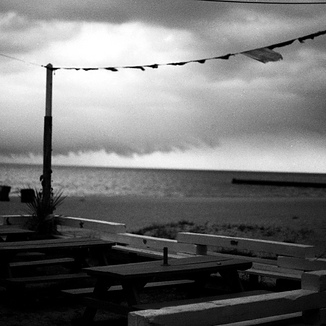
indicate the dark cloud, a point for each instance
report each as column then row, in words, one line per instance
column 172, row 110
column 176, row 13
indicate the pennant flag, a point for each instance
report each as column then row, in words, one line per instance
column 263, row 55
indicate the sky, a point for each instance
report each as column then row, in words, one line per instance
column 235, row 114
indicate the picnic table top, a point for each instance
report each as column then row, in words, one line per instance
column 181, row 266
column 53, row 244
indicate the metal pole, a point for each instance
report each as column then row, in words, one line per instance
column 47, row 144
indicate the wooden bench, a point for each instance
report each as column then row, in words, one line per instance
column 55, row 252
column 308, row 304
column 81, row 292
column 16, row 287
column 42, row 262
column 22, row 281
column 285, row 261
column 160, row 305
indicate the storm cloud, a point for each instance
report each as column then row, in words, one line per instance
column 167, row 109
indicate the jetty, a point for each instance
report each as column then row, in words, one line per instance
column 278, row 183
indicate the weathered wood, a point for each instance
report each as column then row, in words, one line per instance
column 231, row 310
column 46, row 278
column 94, row 225
column 147, row 253
column 256, row 245
column 14, row 219
column 273, row 271
column 308, row 264
column 52, row 245
column 151, row 285
column 42, row 262
column 315, row 281
column 274, row 274
column 71, row 223
column 160, row 305
column 148, row 242
column 177, row 268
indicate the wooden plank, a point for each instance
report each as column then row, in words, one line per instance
column 275, row 268
column 148, row 242
column 150, row 285
column 70, row 222
column 308, row 264
column 315, row 281
column 231, row 310
column 256, row 245
column 160, row 305
column 13, row 230
column 150, row 253
column 92, row 224
column 46, row 278
column 294, row 319
column 274, row 274
column 182, row 267
column 52, row 244
column 42, row 262
column 14, row 219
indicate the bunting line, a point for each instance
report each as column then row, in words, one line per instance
column 264, row 55
column 269, row 2
column 20, row 60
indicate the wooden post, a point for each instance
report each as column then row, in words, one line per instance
column 165, row 256
column 47, row 144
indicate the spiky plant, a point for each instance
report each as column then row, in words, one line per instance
column 42, row 220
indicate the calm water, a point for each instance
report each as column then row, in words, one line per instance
column 82, row 181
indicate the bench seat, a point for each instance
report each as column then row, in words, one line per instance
column 44, row 262
column 22, row 281
column 174, row 303
column 88, row 291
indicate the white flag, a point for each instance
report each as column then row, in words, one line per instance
column 263, row 55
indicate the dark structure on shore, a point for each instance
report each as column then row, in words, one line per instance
column 279, row 183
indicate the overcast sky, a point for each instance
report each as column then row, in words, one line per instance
column 235, row 114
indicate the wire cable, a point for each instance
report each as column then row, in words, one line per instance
column 269, row 2
column 20, row 60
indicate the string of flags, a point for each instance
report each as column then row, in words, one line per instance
column 264, row 55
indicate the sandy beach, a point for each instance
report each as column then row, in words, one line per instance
column 140, row 212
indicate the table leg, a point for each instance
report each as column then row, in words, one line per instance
column 231, row 276
column 131, row 293
column 100, row 289
column 5, row 270
column 132, row 290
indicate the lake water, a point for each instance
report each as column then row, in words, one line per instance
column 84, row 181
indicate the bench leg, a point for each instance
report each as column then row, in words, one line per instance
column 231, row 276
column 314, row 317
column 132, row 292
column 100, row 289
column 254, row 279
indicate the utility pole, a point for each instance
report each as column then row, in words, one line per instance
column 47, row 141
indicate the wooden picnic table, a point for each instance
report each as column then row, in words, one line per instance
column 133, row 277
column 66, row 246
column 14, row 233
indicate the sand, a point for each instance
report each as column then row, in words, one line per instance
column 138, row 212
